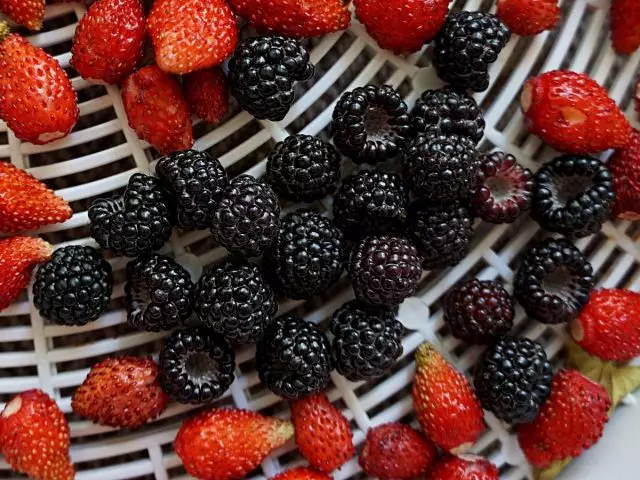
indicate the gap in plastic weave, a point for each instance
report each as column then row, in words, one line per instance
column 97, row 159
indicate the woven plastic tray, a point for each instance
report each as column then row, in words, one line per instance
column 97, row 159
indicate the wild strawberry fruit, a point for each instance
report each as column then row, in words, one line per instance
column 402, row 26
column 464, row 467
column 322, row 433
column 625, row 22
column 26, row 203
column 18, row 256
column 624, row 165
column 34, row 437
column 529, row 17
column 37, row 101
column 301, row 473
column 608, row 327
column 109, row 40
column 29, row 13
column 156, row 109
column 121, row 392
column 569, row 422
column 207, row 94
column 223, row 444
column 293, row 18
column 396, row 451
column 190, row 35
column 573, row 113
column 445, row 403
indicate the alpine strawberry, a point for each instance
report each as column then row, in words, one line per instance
column 464, row 467
column 301, row 473
column 625, row 25
column 207, row 94
column 529, row 17
column 29, row 13
column 624, row 166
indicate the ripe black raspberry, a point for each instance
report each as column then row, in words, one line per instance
column 136, row 223
column 159, row 293
column 303, row 168
column 513, row 379
column 503, row 188
column 384, row 270
column 573, row 196
column 308, row 256
column 479, row 311
column 294, row 358
column 370, row 124
column 465, row 47
column 442, row 232
column 196, row 366
column 554, row 281
column 447, row 111
column 367, row 342
column 440, row 167
column 247, row 219
column 235, row 302
column 74, row 286
column 196, row 180
column 371, row 201
column 262, row 73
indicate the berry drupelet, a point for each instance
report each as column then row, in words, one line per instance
column 74, row 286
column 247, row 219
column 303, row 168
column 308, row 256
column 262, row 73
column 573, row 196
column 235, row 302
column 384, row 270
column 513, row 379
column 159, row 293
column 367, row 342
column 447, row 111
column 196, row 366
column 196, row 180
column 442, row 232
column 554, row 281
column 503, row 189
column 136, row 223
column 465, row 47
column 440, row 167
column 294, row 358
column 371, row 201
column 479, row 311
column 370, row 124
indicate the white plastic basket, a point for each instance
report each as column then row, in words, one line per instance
column 100, row 155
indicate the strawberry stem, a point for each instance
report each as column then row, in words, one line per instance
column 5, row 31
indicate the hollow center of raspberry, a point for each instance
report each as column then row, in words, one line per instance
column 200, row 366
column 566, row 189
column 376, row 124
column 501, row 187
column 558, row 283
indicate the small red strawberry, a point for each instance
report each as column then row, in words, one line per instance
column 402, row 26
column 625, row 22
column 445, row 403
column 156, row 109
column 36, row 98
column 569, row 422
column 34, row 437
column 18, row 256
column 293, row 18
column 122, row 392
column 322, row 433
column 464, row 467
column 301, row 473
column 624, row 165
column 109, row 40
column 396, row 451
column 26, row 203
column 190, row 35
column 223, row 444
column 573, row 114
column 608, row 327
column 529, row 17
column 207, row 94
column 29, row 13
